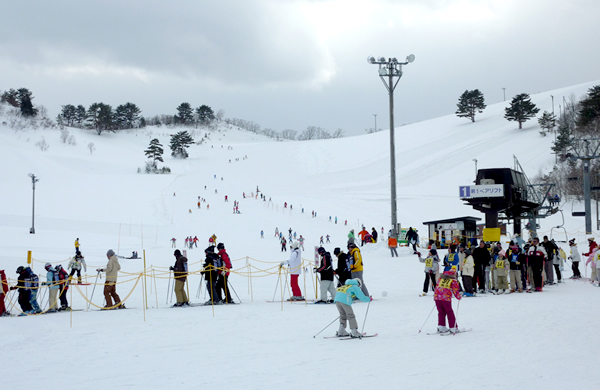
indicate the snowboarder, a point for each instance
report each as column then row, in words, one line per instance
column 295, row 265
column 75, row 266
column 446, row 287
column 326, row 271
column 343, row 302
column 180, row 270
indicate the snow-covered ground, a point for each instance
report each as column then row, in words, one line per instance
column 519, row 341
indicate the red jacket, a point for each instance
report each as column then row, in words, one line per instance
column 225, row 258
column 592, row 246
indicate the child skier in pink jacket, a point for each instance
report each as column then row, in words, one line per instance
column 446, row 287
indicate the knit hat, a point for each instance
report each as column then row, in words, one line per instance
column 177, row 253
column 321, row 250
column 220, row 246
column 337, row 251
column 110, row 253
column 210, row 249
column 433, row 251
column 468, row 252
column 572, row 241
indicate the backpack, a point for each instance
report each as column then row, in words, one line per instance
column 34, row 281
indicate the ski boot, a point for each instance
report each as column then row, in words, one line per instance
column 442, row 329
column 342, row 331
column 355, row 334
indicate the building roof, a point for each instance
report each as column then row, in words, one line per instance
column 452, row 220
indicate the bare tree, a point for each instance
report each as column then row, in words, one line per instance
column 91, row 147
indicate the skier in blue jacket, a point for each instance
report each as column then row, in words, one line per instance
column 343, row 301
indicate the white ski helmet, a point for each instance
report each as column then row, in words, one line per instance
column 295, row 245
column 359, row 282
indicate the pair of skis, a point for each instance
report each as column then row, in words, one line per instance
column 351, row 338
column 463, row 330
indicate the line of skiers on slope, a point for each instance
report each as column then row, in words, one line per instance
column 490, row 266
column 292, row 237
column 349, row 266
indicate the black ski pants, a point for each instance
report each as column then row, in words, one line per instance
column 479, row 275
column 557, row 270
column 575, row 268
column 537, row 264
column 429, row 276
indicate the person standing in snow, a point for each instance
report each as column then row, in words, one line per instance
column 3, row 291
column 63, row 277
column 222, row 283
column 356, row 266
column 343, row 301
column 516, row 259
column 276, row 232
column 326, row 271
column 77, row 245
column 481, row 257
column 393, row 244
column 75, row 266
column 432, row 265
column 374, row 235
column 451, row 259
column 551, row 253
column 210, row 273
column 342, row 270
column 180, row 271
column 411, row 239
column 536, row 255
column 23, row 291
column 501, row 269
column 110, row 289
column 575, row 259
column 52, row 283
column 173, row 240
column 301, row 242
column 442, row 296
column 32, row 282
column 467, row 266
column 351, row 237
column 283, row 243
column 295, row 265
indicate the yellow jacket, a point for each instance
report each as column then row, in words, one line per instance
column 356, row 265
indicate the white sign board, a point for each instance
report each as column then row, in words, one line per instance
column 482, row 191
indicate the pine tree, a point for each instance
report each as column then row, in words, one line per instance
column 564, row 138
column 68, row 114
column 470, row 103
column 590, row 107
column 179, row 144
column 128, row 116
column 521, row 109
column 155, row 151
column 185, row 113
column 547, row 122
column 205, row 114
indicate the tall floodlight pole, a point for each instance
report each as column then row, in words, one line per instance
column 375, row 130
column 586, row 150
column 388, row 69
column 504, row 94
column 34, row 179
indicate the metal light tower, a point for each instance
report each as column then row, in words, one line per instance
column 34, row 179
column 586, row 150
column 388, row 69
column 375, row 130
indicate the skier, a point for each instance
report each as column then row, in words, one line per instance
column 222, row 281
column 77, row 245
column 52, row 283
column 451, row 259
column 343, row 301
column 432, row 265
column 342, row 270
column 112, row 272
column 75, row 266
column 374, row 235
column 411, row 238
column 32, row 282
column 356, row 266
column 363, row 236
column 24, row 292
column 276, row 232
column 446, row 287
column 196, row 241
column 501, row 269
column 327, row 238
column 262, row 234
column 575, row 259
column 326, row 271
column 63, row 278
column 295, row 265
column 301, row 242
column 351, row 237
column 209, row 270
column 173, row 242
column 180, row 270
column 283, row 244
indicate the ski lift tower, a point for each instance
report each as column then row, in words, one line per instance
column 504, row 193
column 586, row 150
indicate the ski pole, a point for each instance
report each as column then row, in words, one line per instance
column 199, row 286
column 93, row 289
column 231, row 288
column 168, row 288
column 427, row 318
column 365, row 321
column 456, row 316
column 277, row 285
column 335, row 319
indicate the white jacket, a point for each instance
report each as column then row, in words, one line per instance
column 468, row 266
column 575, row 253
column 295, row 262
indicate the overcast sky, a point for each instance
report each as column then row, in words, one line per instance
column 289, row 64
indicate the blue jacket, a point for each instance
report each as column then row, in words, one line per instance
column 348, row 291
column 52, row 277
column 450, row 260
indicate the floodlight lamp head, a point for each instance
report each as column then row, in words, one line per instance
column 371, row 60
column 381, row 60
column 394, row 59
column 410, row 58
